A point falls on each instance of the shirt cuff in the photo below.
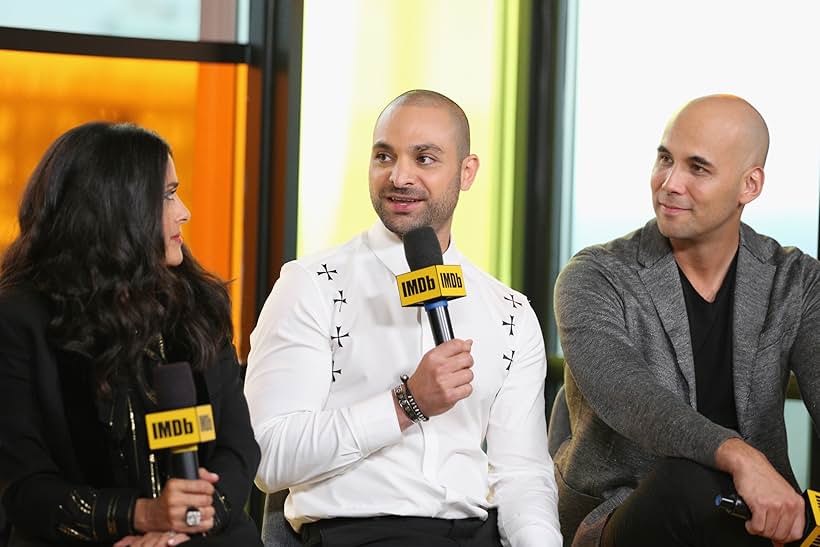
(106, 514)
(375, 424)
(535, 535)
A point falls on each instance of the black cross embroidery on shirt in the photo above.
(327, 272)
(511, 324)
(512, 299)
(334, 370)
(510, 358)
(339, 336)
(341, 300)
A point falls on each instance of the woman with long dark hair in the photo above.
(97, 294)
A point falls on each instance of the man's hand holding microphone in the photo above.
(442, 379)
(444, 375)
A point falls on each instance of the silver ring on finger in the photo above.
(193, 517)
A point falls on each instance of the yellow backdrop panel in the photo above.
(357, 56)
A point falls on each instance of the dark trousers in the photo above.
(403, 531)
(674, 506)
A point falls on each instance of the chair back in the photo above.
(276, 530)
(558, 430)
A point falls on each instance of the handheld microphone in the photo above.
(735, 506)
(429, 282)
(181, 425)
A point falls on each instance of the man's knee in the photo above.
(685, 491)
(672, 505)
(689, 482)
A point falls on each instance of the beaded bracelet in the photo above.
(411, 409)
(401, 397)
(412, 400)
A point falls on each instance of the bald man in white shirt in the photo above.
(333, 341)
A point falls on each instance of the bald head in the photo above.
(709, 166)
(730, 119)
(432, 99)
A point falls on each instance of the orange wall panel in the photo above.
(214, 165)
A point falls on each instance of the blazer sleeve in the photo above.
(40, 494)
(234, 455)
(613, 375)
(805, 354)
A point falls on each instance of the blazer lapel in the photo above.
(662, 282)
(752, 287)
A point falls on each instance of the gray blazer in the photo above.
(630, 375)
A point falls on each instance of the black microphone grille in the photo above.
(174, 384)
(421, 248)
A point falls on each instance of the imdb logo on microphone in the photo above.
(431, 283)
(180, 427)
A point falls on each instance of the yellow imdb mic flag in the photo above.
(182, 427)
(812, 500)
(430, 283)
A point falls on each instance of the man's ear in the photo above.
(469, 168)
(752, 185)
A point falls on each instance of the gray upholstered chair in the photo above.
(276, 531)
(558, 430)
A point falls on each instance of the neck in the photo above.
(705, 263)
(444, 236)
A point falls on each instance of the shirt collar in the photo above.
(389, 249)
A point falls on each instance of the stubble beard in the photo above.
(432, 213)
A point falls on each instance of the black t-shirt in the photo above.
(711, 327)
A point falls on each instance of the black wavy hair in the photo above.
(91, 242)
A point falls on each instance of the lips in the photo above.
(403, 206)
(402, 203)
(672, 209)
(402, 198)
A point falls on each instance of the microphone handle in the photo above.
(185, 463)
(735, 506)
(440, 323)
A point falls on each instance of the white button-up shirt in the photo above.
(331, 343)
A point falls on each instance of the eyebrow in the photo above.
(427, 146)
(700, 160)
(381, 145)
(424, 147)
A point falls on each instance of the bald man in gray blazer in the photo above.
(679, 341)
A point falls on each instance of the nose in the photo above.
(673, 181)
(183, 215)
(402, 173)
